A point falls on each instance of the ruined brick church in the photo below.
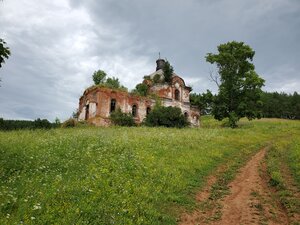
(97, 103)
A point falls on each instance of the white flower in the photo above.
(37, 206)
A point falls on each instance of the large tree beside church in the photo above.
(239, 85)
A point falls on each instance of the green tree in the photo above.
(4, 52)
(141, 89)
(281, 105)
(113, 82)
(202, 101)
(99, 77)
(239, 84)
(168, 72)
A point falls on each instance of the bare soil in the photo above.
(250, 200)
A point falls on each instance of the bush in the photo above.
(122, 119)
(69, 123)
(166, 116)
(156, 78)
(141, 89)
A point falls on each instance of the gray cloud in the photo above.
(56, 45)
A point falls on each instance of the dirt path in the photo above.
(249, 202)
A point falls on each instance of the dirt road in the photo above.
(249, 202)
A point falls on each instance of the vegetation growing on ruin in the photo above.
(120, 118)
(168, 72)
(101, 80)
(167, 117)
(141, 89)
(122, 175)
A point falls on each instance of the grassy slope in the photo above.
(117, 175)
(283, 165)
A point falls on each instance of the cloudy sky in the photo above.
(56, 45)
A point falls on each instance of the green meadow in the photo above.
(118, 175)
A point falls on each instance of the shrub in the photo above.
(166, 116)
(122, 119)
(156, 78)
(69, 123)
(113, 82)
(141, 89)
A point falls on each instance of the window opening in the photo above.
(113, 105)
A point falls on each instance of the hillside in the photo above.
(132, 175)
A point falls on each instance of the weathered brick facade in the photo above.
(96, 103)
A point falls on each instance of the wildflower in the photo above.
(37, 206)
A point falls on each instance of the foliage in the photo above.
(147, 77)
(281, 105)
(113, 82)
(42, 124)
(166, 116)
(274, 104)
(117, 175)
(69, 123)
(122, 119)
(99, 77)
(168, 72)
(240, 86)
(141, 89)
(8, 125)
(4, 52)
(156, 78)
(202, 101)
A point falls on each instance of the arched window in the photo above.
(134, 110)
(177, 94)
(148, 110)
(113, 105)
(186, 115)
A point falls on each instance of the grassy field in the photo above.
(124, 175)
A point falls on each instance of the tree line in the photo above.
(272, 104)
(8, 125)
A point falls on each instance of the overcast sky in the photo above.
(56, 46)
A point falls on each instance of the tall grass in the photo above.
(117, 175)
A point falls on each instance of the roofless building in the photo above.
(97, 102)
